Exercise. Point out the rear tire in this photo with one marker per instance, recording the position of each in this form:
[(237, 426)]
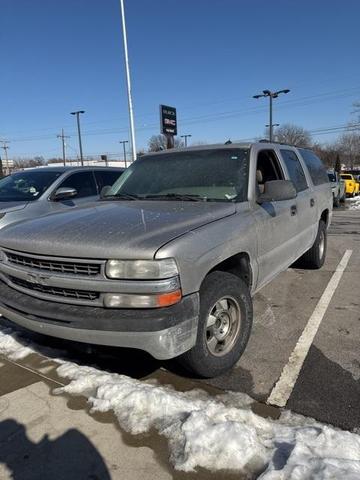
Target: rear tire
[(224, 325), (314, 258)]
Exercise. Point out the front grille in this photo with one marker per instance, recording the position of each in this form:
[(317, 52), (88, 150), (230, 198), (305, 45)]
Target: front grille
[(56, 291), (75, 268)]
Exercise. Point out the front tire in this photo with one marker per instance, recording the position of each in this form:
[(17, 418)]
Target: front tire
[(224, 325)]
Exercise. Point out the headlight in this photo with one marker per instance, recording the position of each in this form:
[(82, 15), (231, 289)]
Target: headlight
[(141, 269)]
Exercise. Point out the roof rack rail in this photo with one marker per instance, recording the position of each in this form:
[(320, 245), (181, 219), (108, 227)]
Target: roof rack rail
[(265, 140)]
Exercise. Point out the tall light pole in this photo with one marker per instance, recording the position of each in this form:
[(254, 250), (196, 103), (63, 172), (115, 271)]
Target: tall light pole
[(123, 144), (128, 83), (271, 95), (63, 136), (79, 133), (185, 137)]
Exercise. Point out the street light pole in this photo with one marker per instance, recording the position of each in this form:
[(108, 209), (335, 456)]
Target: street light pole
[(123, 144), (271, 95), (128, 83), (79, 133), (185, 137)]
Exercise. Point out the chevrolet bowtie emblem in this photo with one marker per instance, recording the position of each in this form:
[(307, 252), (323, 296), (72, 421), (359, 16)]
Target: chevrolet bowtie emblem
[(37, 278)]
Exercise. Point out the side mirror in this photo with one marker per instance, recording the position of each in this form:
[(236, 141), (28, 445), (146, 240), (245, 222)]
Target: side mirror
[(277, 190), (64, 193), (105, 190)]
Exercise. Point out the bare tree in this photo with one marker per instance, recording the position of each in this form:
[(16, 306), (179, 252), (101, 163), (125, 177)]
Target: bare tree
[(158, 143), (21, 162), (349, 144), (328, 153), (293, 135)]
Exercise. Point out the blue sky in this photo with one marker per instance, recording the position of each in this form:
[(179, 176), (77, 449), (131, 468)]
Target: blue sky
[(206, 57)]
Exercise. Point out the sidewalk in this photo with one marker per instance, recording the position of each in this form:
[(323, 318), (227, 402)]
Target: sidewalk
[(46, 436)]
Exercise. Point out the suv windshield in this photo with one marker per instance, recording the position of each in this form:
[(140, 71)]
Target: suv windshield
[(26, 186), (332, 177), (203, 175)]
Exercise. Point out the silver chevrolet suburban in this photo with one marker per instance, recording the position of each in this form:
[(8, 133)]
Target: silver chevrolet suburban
[(168, 260)]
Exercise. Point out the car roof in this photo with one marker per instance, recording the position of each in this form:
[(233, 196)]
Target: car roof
[(71, 169), (220, 146)]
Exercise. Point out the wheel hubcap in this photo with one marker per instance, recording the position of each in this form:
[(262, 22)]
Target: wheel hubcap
[(223, 326)]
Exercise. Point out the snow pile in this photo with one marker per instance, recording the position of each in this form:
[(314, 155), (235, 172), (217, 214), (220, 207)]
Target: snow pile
[(355, 203), (11, 347), (216, 433)]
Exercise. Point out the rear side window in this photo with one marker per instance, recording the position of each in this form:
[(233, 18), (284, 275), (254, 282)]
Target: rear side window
[(83, 182), (315, 166), (295, 169), (106, 177)]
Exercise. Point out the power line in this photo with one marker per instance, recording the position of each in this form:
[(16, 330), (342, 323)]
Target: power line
[(303, 101)]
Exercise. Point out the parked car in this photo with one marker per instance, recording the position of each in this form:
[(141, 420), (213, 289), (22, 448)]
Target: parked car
[(351, 185), (169, 259), (40, 191), (337, 187)]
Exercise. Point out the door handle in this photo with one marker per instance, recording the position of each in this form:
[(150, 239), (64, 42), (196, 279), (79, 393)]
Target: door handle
[(293, 210), (312, 202)]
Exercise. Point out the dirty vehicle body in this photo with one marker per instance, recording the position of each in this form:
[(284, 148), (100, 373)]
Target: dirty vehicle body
[(168, 260), (337, 187), (39, 191)]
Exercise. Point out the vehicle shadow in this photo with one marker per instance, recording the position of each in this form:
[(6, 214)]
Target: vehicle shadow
[(71, 456)]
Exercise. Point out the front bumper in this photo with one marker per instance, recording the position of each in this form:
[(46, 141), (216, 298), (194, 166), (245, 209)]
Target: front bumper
[(164, 333)]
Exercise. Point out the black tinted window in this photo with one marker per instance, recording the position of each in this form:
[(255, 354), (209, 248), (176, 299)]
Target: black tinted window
[(296, 172), (83, 182), (106, 177), (316, 168)]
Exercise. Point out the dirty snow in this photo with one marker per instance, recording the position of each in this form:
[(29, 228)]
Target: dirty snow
[(213, 432), (354, 203)]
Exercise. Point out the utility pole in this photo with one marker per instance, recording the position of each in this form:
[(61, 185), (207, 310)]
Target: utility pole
[(185, 137), (62, 136), (79, 133), (5, 148), (271, 95), (123, 144), (128, 83)]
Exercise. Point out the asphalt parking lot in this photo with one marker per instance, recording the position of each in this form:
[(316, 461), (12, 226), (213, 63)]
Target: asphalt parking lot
[(327, 387)]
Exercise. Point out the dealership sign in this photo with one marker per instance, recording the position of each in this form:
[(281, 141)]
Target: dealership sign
[(168, 123)]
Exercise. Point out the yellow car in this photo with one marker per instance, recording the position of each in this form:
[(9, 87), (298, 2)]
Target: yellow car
[(351, 185)]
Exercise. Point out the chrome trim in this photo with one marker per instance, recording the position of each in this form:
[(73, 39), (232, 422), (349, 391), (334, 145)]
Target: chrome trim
[(49, 258), (99, 283), (53, 298)]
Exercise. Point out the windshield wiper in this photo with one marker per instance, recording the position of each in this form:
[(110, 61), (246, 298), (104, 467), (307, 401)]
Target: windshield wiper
[(121, 196), (176, 196)]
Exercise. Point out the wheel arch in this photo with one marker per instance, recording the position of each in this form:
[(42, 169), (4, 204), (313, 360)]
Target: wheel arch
[(239, 265), (325, 217)]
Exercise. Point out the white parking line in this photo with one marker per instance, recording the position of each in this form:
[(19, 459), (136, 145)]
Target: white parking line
[(282, 390)]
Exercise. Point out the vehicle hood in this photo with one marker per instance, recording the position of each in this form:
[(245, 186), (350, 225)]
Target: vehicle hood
[(123, 229), (6, 207)]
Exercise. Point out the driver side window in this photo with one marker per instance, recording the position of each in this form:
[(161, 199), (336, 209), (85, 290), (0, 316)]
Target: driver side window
[(83, 182), (267, 168)]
